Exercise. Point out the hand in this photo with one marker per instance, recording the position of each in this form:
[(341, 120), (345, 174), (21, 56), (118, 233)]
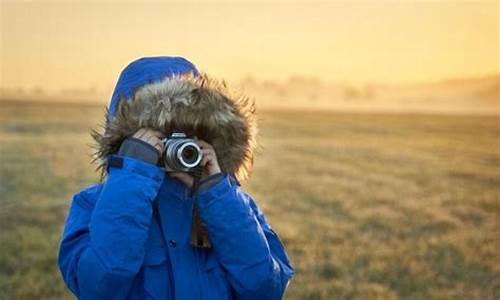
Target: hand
[(152, 137), (209, 163)]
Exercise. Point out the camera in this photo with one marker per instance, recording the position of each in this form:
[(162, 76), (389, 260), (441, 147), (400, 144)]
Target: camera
[(181, 153)]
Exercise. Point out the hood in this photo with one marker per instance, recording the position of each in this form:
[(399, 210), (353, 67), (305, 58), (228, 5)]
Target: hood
[(169, 94)]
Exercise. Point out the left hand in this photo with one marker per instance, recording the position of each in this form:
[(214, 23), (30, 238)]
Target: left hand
[(209, 163)]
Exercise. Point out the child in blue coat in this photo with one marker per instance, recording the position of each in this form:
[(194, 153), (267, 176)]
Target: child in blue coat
[(140, 233)]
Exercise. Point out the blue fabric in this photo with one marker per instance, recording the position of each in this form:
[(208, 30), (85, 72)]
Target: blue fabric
[(147, 70), (113, 248)]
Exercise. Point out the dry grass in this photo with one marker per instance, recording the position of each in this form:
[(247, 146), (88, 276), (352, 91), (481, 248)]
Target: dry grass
[(369, 206)]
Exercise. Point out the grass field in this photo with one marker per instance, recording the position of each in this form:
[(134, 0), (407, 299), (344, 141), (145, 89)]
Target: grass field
[(369, 206)]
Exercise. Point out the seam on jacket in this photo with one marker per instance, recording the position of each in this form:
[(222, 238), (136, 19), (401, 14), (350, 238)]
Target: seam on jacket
[(82, 198)]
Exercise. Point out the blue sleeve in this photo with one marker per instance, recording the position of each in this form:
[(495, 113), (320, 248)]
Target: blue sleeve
[(103, 244), (249, 250)]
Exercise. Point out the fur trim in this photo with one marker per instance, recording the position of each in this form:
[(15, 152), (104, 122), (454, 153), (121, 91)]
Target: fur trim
[(198, 106)]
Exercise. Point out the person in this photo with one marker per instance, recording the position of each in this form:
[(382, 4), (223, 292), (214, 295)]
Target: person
[(140, 233)]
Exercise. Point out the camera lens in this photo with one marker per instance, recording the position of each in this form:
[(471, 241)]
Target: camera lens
[(181, 153), (189, 154)]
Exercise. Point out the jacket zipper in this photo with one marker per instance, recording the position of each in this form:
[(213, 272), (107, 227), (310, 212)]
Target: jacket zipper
[(156, 214)]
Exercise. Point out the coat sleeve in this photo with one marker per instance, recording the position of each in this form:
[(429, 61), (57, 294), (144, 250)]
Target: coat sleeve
[(103, 243), (248, 249)]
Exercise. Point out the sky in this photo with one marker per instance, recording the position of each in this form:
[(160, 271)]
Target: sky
[(57, 45)]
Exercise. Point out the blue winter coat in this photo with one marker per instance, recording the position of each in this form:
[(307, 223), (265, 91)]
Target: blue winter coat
[(115, 245)]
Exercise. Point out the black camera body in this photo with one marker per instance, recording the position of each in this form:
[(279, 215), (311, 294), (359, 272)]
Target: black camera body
[(181, 153)]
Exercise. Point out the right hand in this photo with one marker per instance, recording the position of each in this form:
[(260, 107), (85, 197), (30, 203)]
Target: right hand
[(152, 137)]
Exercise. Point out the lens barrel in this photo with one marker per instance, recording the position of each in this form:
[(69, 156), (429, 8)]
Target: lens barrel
[(181, 154)]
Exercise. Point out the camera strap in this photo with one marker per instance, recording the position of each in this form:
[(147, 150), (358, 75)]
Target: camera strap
[(199, 234)]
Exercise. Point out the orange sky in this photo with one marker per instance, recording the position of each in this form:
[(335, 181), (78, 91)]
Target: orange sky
[(62, 45)]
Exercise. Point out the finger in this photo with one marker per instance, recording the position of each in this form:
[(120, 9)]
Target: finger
[(140, 133), (157, 134), (153, 136), (147, 136), (158, 145), (208, 159), (208, 151), (208, 155), (152, 141), (204, 144), (204, 160)]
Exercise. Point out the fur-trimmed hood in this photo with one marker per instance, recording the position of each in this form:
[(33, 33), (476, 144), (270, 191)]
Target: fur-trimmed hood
[(186, 102)]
